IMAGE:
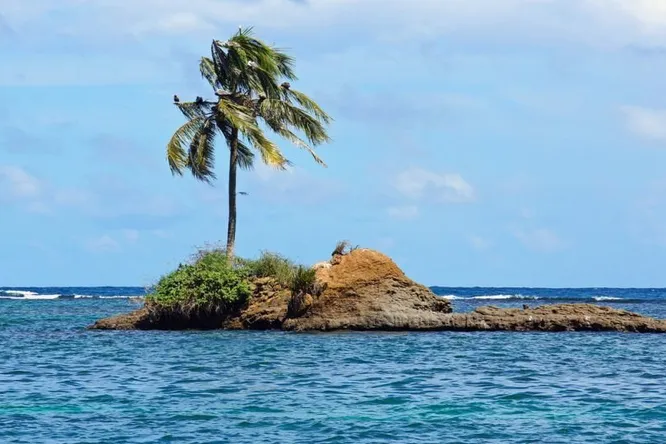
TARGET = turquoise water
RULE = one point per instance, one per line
(60, 383)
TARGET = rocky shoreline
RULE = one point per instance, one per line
(365, 290)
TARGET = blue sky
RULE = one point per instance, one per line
(477, 142)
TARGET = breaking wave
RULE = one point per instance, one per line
(34, 296)
(520, 297)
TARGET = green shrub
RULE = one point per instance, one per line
(270, 265)
(305, 281)
(209, 284)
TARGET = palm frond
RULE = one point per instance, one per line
(220, 63)
(201, 158)
(194, 109)
(256, 65)
(254, 49)
(285, 64)
(262, 82)
(273, 60)
(245, 156)
(236, 65)
(269, 151)
(274, 110)
(176, 153)
(238, 116)
(207, 69)
(293, 138)
(307, 103)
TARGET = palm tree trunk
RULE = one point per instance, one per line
(233, 164)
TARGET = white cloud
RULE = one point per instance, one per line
(103, 244)
(17, 183)
(111, 200)
(540, 239)
(417, 183)
(119, 54)
(598, 21)
(408, 212)
(646, 122)
(650, 14)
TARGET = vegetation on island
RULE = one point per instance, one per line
(251, 83)
(212, 286)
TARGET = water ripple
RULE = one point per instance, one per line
(62, 384)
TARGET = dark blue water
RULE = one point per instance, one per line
(60, 383)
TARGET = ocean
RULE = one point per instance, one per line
(60, 383)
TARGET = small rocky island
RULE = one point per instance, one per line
(365, 290)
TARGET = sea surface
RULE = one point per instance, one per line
(60, 383)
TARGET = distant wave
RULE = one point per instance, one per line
(520, 297)
(41, 296)
(19, 292)
(88, 296)
(505, 297)
(31, 295)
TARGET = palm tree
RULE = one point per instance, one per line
(250, 80)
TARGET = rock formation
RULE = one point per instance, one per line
(365, 290)
(562, 317)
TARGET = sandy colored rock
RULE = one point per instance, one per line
(366, 290)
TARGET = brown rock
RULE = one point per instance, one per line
(365, 290)
(267, 308)
(299, 304)
(563, 317)
(136, 320)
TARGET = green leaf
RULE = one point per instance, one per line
(283, 112)
(207, 69)
(194, 109)
(307, 103)
(176, 153)
(201, 159)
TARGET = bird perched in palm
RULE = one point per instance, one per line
(250, 82)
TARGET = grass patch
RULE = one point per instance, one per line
(305, 281)
(271, 265)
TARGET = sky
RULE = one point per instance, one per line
(476, 142)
